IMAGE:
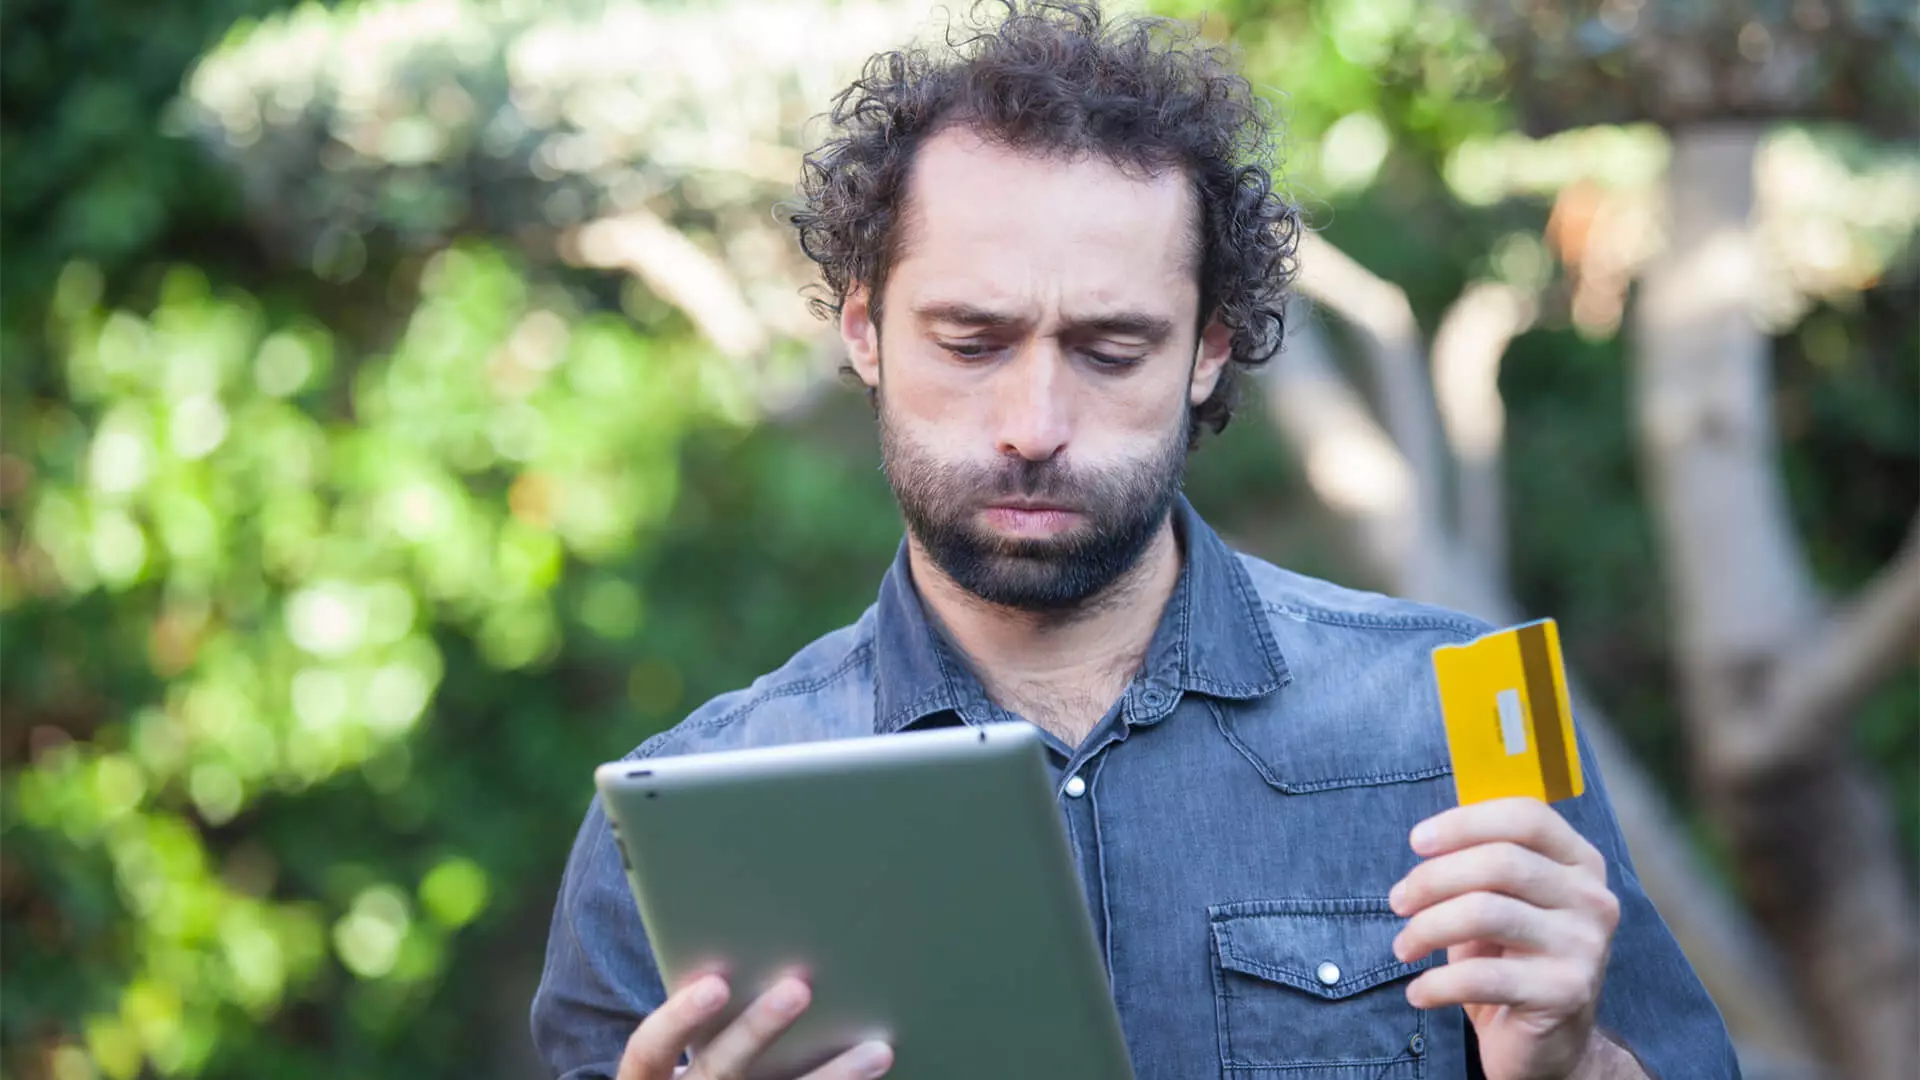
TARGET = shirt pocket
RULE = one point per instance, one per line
(1310, 989)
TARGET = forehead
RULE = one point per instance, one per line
(991, 221)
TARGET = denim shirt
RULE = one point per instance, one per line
(1237, 819)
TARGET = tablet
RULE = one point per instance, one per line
(922, 881)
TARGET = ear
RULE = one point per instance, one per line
(1214, 350)
(861, 336)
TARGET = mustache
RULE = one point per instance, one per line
(1048, 480)
(953, 489)
(1052, 481)
(960, 488)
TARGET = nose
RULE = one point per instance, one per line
(1034, 415)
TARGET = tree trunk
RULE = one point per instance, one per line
(1355, 469)
(1811, 839)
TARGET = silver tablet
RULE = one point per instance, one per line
(921, 880)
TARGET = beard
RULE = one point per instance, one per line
(1121, 507)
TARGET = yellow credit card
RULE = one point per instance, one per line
(1509, 727)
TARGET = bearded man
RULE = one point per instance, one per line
(1051, 247)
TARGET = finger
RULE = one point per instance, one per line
(863, 1062)
(1527, 822)
(1500, 867)
(1529, 982)
(730, 1053)
(1485, 916)
(654, 1047)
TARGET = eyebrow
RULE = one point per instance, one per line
(964, 314)
(1150, 328)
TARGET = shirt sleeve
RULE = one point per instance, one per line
(600, 979)
(1652, 1003)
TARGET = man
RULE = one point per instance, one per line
(1049, 249)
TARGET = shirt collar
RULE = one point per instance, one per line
(1213, 639)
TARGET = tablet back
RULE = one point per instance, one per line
(922, 880)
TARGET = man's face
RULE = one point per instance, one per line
(1040, 361)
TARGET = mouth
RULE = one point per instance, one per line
(1035, 505)
(1024, 517)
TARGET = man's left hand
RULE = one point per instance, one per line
(1519, 900)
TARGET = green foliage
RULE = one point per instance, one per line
(1685, 61)
(91, 172)
(249, 561)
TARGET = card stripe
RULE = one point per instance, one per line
(1543, 710)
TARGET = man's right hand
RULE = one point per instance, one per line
(653, 1052)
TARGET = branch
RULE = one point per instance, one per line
(1810, 842)
(1467, 350)
(1740, 591)
(1351, 464)
(678, 271)
(1380, 311)
(1816, 690)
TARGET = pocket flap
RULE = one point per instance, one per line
(1328, 948)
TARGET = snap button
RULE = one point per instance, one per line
(1154, 697)
(1328, 972)
(1076, 786)
(1417, 1044)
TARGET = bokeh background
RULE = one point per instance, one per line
(409, 404)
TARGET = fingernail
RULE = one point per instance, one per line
(711, 994)
(787, 998)
(1393, 897)
(1423, 836)
(870, 1059)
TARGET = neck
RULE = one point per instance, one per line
(1055, 668)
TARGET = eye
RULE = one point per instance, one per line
(970, 350)
(1107, 360)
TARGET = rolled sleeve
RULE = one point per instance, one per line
(1652, 1002)
(600, 979)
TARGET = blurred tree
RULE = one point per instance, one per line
(1425, 483)
(1770, 676)
(277, 583)
(277, 589)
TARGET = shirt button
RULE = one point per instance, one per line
(1328, 972)
(1076, 787)
(1153, 698)
(1417, 1044)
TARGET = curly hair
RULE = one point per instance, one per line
(1055, 77)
